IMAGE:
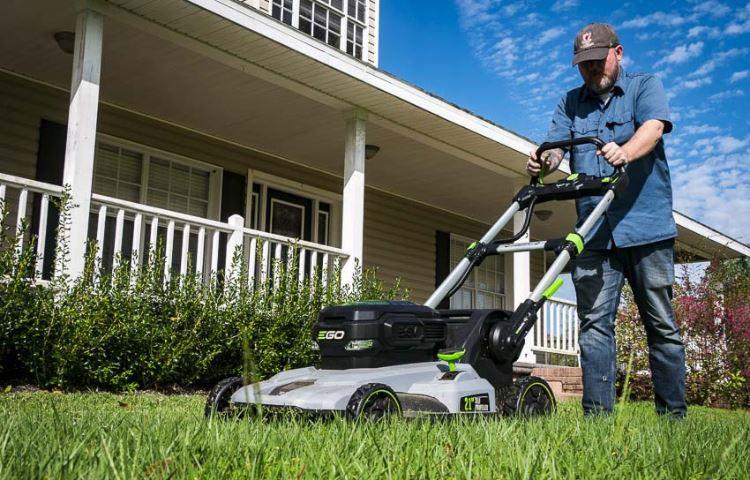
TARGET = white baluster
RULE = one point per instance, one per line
(313, 266)
(154, 235)
(184, 252)
(100, 228)
(200, 251)
(168, 252)
(324, 270)
(215, 252)
(137, 246)
(117, 253)
(252, 254)
(565, 327)
(23, 199)
(264, 261)
(302, 260)
(2, 193)
(42, 237)
(277, 261)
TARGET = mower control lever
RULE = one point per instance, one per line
(568, 144)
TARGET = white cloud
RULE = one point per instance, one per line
(693, 84)
(727, 94)
(550, 34)
(563, 5)
(513, 8)
(737, 76)
(712, 8)
(657, 18)
(682, 54)
(738, 28)
(699, 194)
(700, 30)
(699, 129)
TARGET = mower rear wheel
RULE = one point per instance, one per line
(373, 401)
(527, 397)
(217, 402)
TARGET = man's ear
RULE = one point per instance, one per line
(618, 52)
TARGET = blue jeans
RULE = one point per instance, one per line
(598, 276)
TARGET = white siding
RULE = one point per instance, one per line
(373, 21)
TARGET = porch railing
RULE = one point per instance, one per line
(556, 331)
(129, 231)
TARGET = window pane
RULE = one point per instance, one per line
(276, 12)
(180, 179)
(158, 175)
(361, 10)
(352, 10)
(199, 181)
(178, 203)
(286, 219)
(157, 198)
(322, 228)
(305, 26)
(338, 4)
(319, 32)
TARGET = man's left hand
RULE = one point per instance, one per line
(614, 154)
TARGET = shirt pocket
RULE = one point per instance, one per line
(622, 126)
(584, 127)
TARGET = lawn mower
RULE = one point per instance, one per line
(380, 358)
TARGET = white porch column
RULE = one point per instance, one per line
(522, 280)
(81, 139)
(353, 211)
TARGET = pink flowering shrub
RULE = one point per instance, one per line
(714, 319)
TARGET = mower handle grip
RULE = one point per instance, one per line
(567, 143)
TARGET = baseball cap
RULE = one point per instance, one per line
(593, 42)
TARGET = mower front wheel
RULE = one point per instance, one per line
(527, 397)
(373, 401)
(217, 402)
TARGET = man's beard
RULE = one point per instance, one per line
(603, 84)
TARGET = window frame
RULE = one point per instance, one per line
(215, 172)
(475, 290)
(343, 24)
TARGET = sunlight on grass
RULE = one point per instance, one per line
(97, 435)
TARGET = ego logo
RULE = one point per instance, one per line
(330, 335)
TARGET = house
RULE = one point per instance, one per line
(211, 124)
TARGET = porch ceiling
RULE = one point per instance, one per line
(230, 75)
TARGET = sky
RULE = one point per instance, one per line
(509, 62)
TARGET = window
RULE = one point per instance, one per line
(485, 286)
(339, 23)
(137, 174)
(320, 22)
(357, 10)
(117, 172)
(282, 10)
(354, 35)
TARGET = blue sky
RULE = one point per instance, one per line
(509, 61)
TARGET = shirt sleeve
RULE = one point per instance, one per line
(559, 128)
(651, 103)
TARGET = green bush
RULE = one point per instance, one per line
(117, 331)
(713, 315)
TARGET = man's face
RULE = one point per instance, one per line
(600, 75)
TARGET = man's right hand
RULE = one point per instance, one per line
(551, 160)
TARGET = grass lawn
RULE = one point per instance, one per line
(94, 435)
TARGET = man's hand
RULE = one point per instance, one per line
(551, 160)
(614, 154)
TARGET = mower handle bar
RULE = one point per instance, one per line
(567, 143)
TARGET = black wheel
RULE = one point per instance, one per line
(217, 402)
(373, 401)
(527, 397)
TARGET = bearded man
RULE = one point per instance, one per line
(634, 241)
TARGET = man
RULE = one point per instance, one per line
(635, 238)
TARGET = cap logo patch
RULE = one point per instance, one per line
(586, 40)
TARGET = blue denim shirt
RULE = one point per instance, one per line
(643, 214)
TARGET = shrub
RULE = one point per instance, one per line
(714, 320)
(122, 331)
